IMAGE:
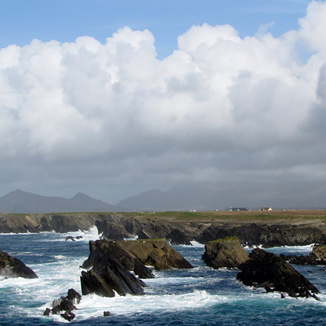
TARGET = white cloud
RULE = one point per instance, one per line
(218, 102)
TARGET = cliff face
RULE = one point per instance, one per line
(118, 226)
(20, 223)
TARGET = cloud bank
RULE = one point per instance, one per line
(86, 115)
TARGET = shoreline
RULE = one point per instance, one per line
(272, 228)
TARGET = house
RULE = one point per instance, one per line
(266, 209)
(237, 209)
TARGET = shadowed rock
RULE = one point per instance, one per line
(65, 305)
(273, 273)
(11, 267)
(226, 252)
(102, 250)
(110, 265)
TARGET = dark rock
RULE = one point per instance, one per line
(111, 265)
(226, 252)
(120, 228)
(68, 316)
(177, 237)
(110, 277)
(106, 313)
(273, 273)
(112, 230)
(47, 312)
(66, 304)
(69, 237)
(101, 250)
(156, 252)
(73, 296)
(11, 267)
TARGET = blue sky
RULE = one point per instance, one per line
(65, 20)
(112, 98)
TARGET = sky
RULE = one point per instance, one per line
(113, 98)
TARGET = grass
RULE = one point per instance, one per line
(276, 216)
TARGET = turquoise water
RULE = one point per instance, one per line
(200, 296)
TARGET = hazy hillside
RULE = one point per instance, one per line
(199, 197)
(24, 202)
(207, 196)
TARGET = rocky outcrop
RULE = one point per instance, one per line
(120, 228)
(226, 252)
(273, 273)
(267, 235)
(110, 278)
(156, 252)
(110, 262)
(316, 257)
(46, 222)
(11, 267)
(104, 249)
(110, 265)
(65, 305)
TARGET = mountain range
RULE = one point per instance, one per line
(25, 202)
(200, 196)
(178, 198)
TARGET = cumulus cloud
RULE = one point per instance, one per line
(114, 113)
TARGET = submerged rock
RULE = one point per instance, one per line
(156, 252)
(226, 252)
(11, 267)
(273, 273)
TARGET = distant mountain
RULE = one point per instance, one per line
(186, 197)
(198, 196)
(25, 202)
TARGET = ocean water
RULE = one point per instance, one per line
(199, 296)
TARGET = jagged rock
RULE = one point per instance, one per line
(226, 252)
(111, 265)
(177, 237)
(11, 267)
(156, 252)
(112, 230)
(273, 273)
(119, 228)
(66, 304)
(106, 313)
(101, 250)
(71, 238)
(109, 277)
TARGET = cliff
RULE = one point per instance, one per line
(252, 228)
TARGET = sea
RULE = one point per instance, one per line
(198, 296)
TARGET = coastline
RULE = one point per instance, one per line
(276, 228)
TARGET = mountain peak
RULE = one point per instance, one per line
(20, 201)
(80, 196)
